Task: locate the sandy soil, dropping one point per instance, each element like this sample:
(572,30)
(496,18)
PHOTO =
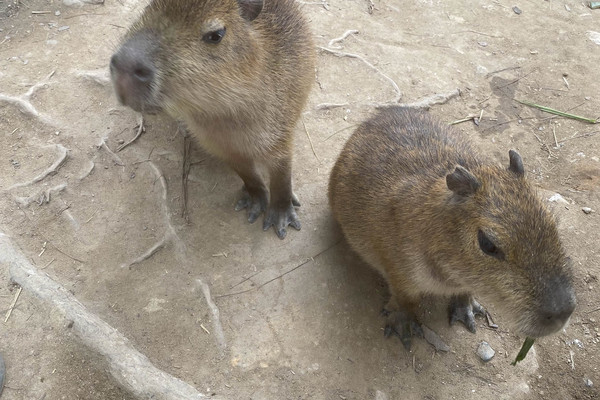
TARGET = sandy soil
(300,317)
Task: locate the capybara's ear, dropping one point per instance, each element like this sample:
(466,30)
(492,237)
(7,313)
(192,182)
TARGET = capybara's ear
(250,9)
(516,163)
(462,182)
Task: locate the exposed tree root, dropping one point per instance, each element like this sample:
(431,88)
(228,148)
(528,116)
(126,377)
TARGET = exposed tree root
(40,198)
(217,327)
(140,129)
(115,157)
(129,367)
(53,169)
(374,68)
(170,234)
(23,102)
(438,98)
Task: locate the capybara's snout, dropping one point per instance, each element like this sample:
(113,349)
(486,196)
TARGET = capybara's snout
(133,71)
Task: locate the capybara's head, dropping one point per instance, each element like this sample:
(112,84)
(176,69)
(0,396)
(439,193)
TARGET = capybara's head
(189,54)
(508,249)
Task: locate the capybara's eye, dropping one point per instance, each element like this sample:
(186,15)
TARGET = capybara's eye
(488,247)
(214,37)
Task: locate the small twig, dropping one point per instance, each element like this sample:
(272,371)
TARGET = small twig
(544,146)
(284,274)
(81,15)
(47,265)
(583,135)
(141,129)
(12,306)
(187,165)
(92,216)
(316,3)
(49,241)
(458,121)
(338,131)
(204,329)
(310,141)
(43,249)
(501,70)
(506,122)
(250,277)
(554,133)
(478,33)
(571,354)
(339,39)
(329,106)
(514,81)
(374,68)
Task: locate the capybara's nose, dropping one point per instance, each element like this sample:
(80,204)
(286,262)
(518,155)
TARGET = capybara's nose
(135,65)
(133,70)
(559,302)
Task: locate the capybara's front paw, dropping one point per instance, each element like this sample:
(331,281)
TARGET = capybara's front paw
(282,217)
(255,203)
(464,309)
(402,324)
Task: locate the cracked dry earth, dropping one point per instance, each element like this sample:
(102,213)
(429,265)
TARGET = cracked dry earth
(234,312)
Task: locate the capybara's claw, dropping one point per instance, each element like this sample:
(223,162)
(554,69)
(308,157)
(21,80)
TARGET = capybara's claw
(255,204)
(464,309)
(403,325)
(281,219)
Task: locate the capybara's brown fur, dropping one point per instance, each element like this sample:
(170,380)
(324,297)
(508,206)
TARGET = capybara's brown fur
(415,201)
(237,73)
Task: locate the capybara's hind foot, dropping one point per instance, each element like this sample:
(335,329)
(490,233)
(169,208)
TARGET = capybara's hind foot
(464,308)
(402,324)
(281,218)
(256,204)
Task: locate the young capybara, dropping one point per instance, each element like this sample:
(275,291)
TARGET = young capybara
(415,201)
(237,73)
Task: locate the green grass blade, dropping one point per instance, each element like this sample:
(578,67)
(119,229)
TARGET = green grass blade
(559,113)
(524,350)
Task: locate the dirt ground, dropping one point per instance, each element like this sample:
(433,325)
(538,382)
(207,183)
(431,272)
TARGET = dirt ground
(299,318)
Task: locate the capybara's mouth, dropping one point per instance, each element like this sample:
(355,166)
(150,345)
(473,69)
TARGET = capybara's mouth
(542,324)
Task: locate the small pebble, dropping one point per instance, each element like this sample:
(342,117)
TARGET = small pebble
(120,141)
(588,382)
(557,198)
(517,10)
(587,210)
(63,28)
(57,13)
(485,352)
